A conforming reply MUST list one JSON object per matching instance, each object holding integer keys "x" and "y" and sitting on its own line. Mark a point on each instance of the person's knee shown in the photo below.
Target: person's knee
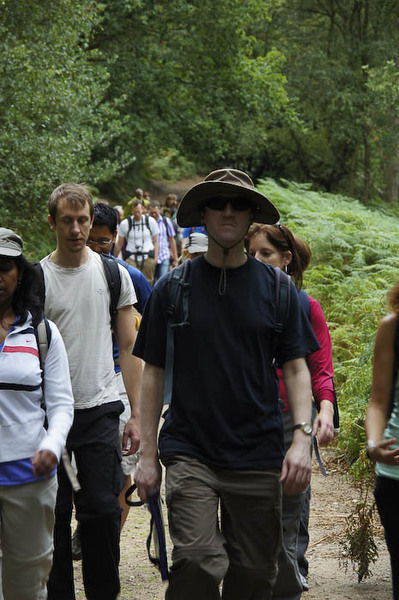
{"x": 201, "y": 564}
{"x": 25, "y": 579}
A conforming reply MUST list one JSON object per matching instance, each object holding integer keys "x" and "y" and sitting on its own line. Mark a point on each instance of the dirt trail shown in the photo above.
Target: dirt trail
{"x": 332, "y": 501}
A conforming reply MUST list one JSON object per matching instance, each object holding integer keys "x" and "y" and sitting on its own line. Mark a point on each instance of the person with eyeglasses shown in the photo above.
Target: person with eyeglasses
{"x": 222, "y": 438}
{"x": 276, "y": 245}
{"x": 102, "y": 237}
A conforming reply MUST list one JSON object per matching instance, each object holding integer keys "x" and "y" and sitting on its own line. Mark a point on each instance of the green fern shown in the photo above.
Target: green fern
{"x": 355, "y": 261}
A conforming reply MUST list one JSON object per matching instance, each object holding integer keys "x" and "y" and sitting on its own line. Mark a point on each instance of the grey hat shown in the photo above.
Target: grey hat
{"x": 10, "y": 243}
{"x": 229, "y": 183}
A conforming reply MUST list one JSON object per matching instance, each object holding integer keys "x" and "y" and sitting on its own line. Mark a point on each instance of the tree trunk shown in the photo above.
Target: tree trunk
{"x": 391, "y": 171}
{"x": 367, "y": 167}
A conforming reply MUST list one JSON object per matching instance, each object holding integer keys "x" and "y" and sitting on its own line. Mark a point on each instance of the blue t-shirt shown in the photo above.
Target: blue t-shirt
{"x": 225, "y": 409}
{"x": 140, "y": 282}
{"x": 142, "y": 289}
{"x": 188, "y": 230}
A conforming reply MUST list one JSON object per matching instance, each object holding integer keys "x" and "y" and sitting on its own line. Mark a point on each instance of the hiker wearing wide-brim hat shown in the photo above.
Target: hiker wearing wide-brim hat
{"x": 220, "y": 189}
{"x": 222, "y": 438}
{"x": 226, "y": 183}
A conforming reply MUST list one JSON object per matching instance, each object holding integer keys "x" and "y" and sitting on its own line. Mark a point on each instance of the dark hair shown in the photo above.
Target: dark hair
{"x": 76, "y": 194}
{"x": 27, "y": 295}
{"x": 105, "y": 215}
{"x": 283, "y": 240}
{"x": 137, "y": 203}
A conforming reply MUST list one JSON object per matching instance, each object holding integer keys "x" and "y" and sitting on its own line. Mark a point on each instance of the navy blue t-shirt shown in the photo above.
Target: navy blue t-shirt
{"x": 225, "y": 409}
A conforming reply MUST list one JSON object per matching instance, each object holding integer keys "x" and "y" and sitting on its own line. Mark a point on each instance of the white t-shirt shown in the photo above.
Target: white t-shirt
{"x": 78, "y": 301}
{"x": 139, "y": 238}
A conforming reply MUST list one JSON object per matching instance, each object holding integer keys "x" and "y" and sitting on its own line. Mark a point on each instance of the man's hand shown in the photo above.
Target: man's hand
{"x": 131, "y": 436}
{"x": 44, "y": 462}
{"x": 147, "y": 477}
{"x": 296, "y": 471}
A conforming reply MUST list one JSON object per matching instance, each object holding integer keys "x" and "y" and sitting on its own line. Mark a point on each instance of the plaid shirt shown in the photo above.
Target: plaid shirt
{"x": 163, "y": 238}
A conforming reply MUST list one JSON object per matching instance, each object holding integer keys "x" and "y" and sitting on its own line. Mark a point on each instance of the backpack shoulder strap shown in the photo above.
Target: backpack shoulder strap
{"x": 283, "y": 300}
{"x": 42, "y": 286}
{"x": 177, "y": 309}
{"x": 113, "y": 277}
{"x": 43, "y": 337}
{"x": 147, "y": 223}
{"x": 130, "y": 225}
{"x": 43, "y": 340}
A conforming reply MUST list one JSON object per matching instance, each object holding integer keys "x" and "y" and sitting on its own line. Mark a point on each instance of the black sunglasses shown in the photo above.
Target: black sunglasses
{"x": 238, "y": 204}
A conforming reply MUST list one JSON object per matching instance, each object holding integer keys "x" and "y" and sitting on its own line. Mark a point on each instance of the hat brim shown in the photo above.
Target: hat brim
{"x": 189, "y": 211}
{"x": 10, "y": 252}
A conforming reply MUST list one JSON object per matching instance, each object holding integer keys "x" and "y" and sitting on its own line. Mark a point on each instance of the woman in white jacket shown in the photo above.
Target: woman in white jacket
{"x": 29, "y": 452}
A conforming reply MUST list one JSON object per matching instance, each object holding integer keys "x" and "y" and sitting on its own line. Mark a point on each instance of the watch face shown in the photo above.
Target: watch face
{"x": 307, "y": 428}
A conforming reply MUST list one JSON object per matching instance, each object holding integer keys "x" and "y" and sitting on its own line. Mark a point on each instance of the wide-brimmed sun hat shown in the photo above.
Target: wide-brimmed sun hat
{"x": 228, "y": 183}
{"x": 10, "y": 243}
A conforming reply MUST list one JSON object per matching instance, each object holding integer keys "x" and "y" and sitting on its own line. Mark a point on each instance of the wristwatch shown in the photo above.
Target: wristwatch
{"x": 306, "y": 428}
{"x": 369, "y": 446}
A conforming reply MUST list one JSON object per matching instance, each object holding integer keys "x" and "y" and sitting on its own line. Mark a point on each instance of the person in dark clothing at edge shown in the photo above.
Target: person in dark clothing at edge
{"x": 222, "y": 439}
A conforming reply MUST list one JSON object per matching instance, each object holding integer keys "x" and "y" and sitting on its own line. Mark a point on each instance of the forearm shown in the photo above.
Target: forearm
{"x": 131, "y": 368}
{"x": 156, "y": 248}
{"x": 151, "y": 404}
{"x": 173, "y": 248}
{"x": 375, "y": 422}
{"x": 298, "y": 388}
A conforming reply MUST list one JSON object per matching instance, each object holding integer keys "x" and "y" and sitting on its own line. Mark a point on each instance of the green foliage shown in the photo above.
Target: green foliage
{"x": 55, "y": 124}
{"x": 359, "y": 547}
{"x": 170, "y": 165}
{"x": 355, "y": 261}
{"x": 193, "y": 79}
{"x": 342, "y": 73}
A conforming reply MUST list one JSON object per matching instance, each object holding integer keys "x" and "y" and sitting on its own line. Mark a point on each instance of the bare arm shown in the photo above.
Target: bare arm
{"x": 323, "y": 425}
{"x": 148, "y": 470}
{"x": 131, "y": 367}
{"x": 118, "y": 245}
{"x": 173, "y": 248}
{"x": 376, "y": 416}
{"x": 156, "y": 246}
{"x": 296, "y": 470}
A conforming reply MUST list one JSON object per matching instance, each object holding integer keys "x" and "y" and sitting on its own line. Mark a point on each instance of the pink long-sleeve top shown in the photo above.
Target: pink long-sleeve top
{"x": 319, "y": 363}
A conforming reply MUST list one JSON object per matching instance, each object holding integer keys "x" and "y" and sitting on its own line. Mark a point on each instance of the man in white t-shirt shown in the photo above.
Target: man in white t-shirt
{"x": 77, "y": 299}
{"x": 140, "y": 231}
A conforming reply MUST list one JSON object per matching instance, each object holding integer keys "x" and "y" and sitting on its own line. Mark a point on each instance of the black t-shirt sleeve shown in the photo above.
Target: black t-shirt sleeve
{"x": 151, "y": 338}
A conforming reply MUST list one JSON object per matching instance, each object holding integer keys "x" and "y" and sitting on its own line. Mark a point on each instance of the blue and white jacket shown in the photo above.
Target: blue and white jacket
{"x": 21, "y": 417}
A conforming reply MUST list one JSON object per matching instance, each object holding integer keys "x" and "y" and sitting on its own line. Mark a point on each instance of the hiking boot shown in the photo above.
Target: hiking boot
{"x": 76, "y": 546}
